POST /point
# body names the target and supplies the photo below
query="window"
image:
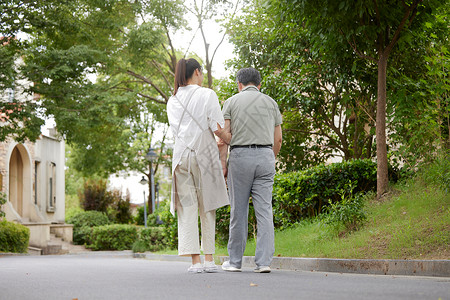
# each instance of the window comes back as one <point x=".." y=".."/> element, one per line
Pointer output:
<point x="51" y="187"/>
<point x="36" y="181"/>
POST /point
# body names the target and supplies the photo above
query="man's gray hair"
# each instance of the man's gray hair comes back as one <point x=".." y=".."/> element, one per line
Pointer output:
<point x="248" y="75"/>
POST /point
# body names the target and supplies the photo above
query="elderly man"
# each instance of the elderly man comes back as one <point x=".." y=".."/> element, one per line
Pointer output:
<point x="254" y="121"/>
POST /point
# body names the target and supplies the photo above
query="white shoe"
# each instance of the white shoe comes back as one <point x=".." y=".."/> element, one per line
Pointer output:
<point x="197" y="268"/>
<point x="262" y="269"/>
<point x="229" y="268"/>
<point x="210" y="267"/>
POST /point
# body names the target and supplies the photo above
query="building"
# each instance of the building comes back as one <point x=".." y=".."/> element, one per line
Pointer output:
<point x="32" y="178"/>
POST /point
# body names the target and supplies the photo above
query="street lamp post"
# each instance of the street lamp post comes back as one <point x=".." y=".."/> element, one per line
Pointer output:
<point x="151" y="156"/>
<point x="144" y="182"/>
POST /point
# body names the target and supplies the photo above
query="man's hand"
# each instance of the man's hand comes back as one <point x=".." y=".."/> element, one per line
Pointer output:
<point x="225" y="132"/>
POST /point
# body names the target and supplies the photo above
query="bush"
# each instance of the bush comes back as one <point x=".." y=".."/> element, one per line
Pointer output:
<point x="223" y="223"/>
<point x="83" y="223"/>
<point x="304" y="194"/>
<point x="2" y="201"/>
<point x="347" y="214"/>
<point x="169" y="224"/>
<point x="95" y="196"/>
<point x="438" y="172"/>
<point x="13" y="237"/>
<point x="113" y="237"/>
<point x="150" y="239"/>
<point x="119" y="211"/>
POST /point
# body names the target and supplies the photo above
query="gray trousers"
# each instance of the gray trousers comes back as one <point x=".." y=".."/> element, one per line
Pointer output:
<point x="251" y="172"/>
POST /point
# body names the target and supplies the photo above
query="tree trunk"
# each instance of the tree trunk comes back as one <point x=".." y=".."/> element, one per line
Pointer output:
<point x="382" y="163"/>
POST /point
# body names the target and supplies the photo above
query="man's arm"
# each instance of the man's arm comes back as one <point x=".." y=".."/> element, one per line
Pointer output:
<point x="223" y="152"/>
<point x="277" y="140"/>
<point x="224" y="135"/>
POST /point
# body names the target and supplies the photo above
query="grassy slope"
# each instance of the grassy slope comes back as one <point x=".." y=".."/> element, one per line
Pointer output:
<point x="413" y="222"/>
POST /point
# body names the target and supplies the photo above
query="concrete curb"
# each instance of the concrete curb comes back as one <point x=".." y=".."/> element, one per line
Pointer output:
<point x="438" y="268"/>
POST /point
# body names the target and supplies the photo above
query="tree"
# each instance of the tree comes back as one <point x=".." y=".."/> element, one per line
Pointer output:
<point x="371" y="30"/>
<point x="20" y="116"/>
<point x="204" y="12"/>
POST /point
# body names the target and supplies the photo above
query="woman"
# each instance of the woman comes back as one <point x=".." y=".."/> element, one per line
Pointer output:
<point x="198" y="185"/>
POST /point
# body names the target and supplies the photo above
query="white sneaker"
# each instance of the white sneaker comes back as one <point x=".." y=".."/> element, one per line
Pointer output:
<point x="262" y="269"/>
<point x="227" y="267"/>
<point x="210" y="267"/>
<point x="197" y="268"/>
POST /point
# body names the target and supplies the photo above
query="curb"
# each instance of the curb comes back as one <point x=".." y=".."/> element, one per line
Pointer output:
<point x="437" y="268"/>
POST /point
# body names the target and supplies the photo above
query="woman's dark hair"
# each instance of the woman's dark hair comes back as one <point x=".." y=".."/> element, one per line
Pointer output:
<point x="183" y="71"/>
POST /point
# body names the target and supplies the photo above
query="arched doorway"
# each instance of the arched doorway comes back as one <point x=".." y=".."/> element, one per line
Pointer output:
<point x="19" y="167"/>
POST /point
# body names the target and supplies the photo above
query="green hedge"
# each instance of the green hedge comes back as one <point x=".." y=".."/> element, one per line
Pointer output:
<point x="151" y="239"/>
<point x="13" y="237"/>
<point x="83" y="223"/>
<point x="113" y="237"/>
<point x="304" y="194"/>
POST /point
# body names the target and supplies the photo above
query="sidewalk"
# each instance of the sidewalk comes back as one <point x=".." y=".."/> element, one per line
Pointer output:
<point x="437" y="268"/>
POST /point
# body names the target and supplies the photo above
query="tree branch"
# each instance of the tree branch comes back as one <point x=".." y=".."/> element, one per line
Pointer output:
<point x="400" y="27"/>
<point x="146" y="80"/>
<point x="353" y="45"/>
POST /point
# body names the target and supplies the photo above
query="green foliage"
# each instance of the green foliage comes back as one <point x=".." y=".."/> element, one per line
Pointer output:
<point x="121" y="212"/>
<point x="23" y="120"/>
<point x="150" y="239"/>
<point x="304" y="194"/>
<point x="346" y="215"/>
<point x="438" y="172"/>
<point x="170" y="225"/>
<point x="113" y="237"/>
<point x="95" y="196"/>
<point x="223" y="224"/>
<point x="161" y="218"/>
<point x="313" y="86"/>
<point x="83" y="223"/>
<point x="13" y="237"/>
<point x="2" y="201"/>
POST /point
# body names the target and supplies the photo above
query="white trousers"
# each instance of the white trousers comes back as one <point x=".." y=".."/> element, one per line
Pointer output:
<point x="189" y="206"/>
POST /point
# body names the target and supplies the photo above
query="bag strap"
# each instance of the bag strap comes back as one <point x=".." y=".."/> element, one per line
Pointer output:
<point x="186" y="111"/>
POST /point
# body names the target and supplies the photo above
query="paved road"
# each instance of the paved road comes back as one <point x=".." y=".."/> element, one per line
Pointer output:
<point x="101" y="277"/>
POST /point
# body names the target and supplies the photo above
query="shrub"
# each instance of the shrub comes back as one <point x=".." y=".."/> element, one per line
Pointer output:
<point x="169" y="224"/>
<point x="120" y="210"/>
<point x="13" y="237"/>
<point x="347" y="214"/>
<point x="83" y="223"/>
<point x="438" y="172"/>
<point x="95" y="196"/>
<point x="2" y="201"/>
<point x="304" y="194"/>
<point x="113" y="237"/>
<point x="223" y="223"/>
<point x="150" y="239"/>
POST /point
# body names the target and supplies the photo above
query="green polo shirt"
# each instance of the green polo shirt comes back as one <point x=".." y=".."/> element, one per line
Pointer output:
<point x="253" y="116"/>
